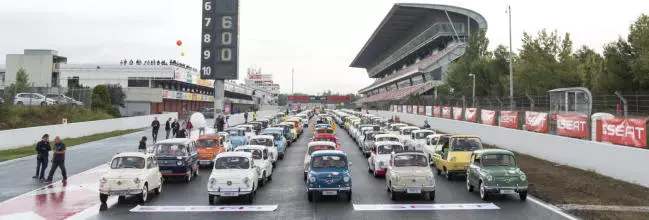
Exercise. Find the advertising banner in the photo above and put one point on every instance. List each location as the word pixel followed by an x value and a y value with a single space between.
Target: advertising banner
pixel 536 121
pixel 399 108
pixel 429 110
pixel 446 112
pixel 457 113
pixel 470 114
pixel 422 110
pixel 572 125
pixel 625 131
pixel 488 117
pixel 436 111
pixel 509 119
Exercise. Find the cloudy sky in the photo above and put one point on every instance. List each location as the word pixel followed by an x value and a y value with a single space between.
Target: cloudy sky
pixel 318 39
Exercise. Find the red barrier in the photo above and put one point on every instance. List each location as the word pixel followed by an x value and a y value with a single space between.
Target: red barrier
pixel 436 111
pixel 409 107
pixel 624 131
pixel 536 121
pixel 509 119
pixel 470 114
pixel 488 117
pixel 446 112
pixel 422 110
pixel 572 125
pixel 429 110
pixel 457 113
pixel 399 108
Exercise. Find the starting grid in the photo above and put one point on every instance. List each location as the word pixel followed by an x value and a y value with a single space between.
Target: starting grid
pixel 357 207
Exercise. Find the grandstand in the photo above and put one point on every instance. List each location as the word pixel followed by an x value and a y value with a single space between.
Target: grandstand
pixel 409 52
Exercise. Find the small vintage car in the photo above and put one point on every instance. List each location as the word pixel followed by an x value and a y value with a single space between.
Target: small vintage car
pixel 234 175
pixel 280 141
pixel 132 173
pixel 379 158
pixel 387 137
pixel 368 141
pixel 208 147
pixel 286 132
pixel 434 143
pixel 269 142
pixel 262 162
pixel 225 140
pixel 405 132
pixel 329 174
pixel 297 123
pixel 250 130
pixel 292 129
pixel 394 128
pixel 410 173
pixel 177 158
pixel 417 139
pixel 304 119
pixel 454 156
pixel 315 146
pixel 257 126
pixel 495 172
pixel 237 136
pixel 327 137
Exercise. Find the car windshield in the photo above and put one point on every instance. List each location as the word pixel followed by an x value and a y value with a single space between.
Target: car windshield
pixel 387 139
pixel 320 147
pixel 170 150
pixel 422 135
pixel 207 143
pixel 256 154
pixel 262 141
pixel 329 162
pixel 443 140
pixel 235 133
pixel 127 162
pixel 325 139
pixel 275 135
pixel 413 160
pixel 408 131
pixel 232 163
pixel 396 127
pixel 466 144
pixel 388 149
pixel 370 136
pixel 498 160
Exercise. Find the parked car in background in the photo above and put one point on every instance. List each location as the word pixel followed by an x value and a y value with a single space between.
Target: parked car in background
pixel 233 175
pixel 410 173
pixel 434 143
pixel 327 137
pixel 329 175
pixel 495 171
pixel 33 99
pixel 405 132
pixel 394 128
pixel 280 141
pixel 177 157
pixel 269 142
pixel 225 140
pixel 64 100
pixel 132 173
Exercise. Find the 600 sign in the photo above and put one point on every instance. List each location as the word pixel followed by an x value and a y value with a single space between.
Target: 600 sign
pixel 219 41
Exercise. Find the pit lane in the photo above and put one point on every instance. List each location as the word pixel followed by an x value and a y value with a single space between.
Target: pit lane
pixel 287 191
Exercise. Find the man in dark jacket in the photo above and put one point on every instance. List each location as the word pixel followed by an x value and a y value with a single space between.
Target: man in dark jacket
pixel 156 127
pixel 220 123
pixel 168 127
pixel 175 126
pixel 42 154
pixel 58 160
pixel 245 117
pixel 142 147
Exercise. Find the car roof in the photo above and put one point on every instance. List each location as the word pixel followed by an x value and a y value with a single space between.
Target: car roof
pixel 493 151
pixel 408 127
pixel 388 143
pixel 245 125
pixel 423 130
pixel 464 136
pixel 275 129
pixel 328 152
pixel 131 154
pixel 205 137
pixel 327 135
pixel 317 143
pixel 234 154
pixel 175 141
pixel 235 128
pixel 386 135
pixel 398 124
pixel 261 137
pixel 255 147
pixel 410 152
pixel 437 135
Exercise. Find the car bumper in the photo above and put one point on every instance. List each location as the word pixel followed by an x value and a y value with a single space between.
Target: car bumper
pixel 205 162
pixel 505 190
pixel 121 192
pixel 341 189
pixel 415 189
pixel 381 171
pixel 230 193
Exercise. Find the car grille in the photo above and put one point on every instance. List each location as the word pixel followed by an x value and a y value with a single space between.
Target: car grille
pixel 118 184
pixel 413 181
pixel 507 181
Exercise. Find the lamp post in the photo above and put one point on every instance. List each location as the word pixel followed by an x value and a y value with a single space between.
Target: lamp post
pixel 473 94
pixel 511 61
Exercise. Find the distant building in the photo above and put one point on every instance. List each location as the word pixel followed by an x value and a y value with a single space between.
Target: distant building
pixel 265 81
pixel 2 78
pixel 42 67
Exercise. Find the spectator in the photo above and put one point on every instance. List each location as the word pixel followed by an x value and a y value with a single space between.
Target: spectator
pixel 190 126
pixel 220 122
pixel 245 117
pixel 156 127
pixel 175 126
pixel 142 146
pixel 254 116
pixel 42 153
pixel 168 127
pixel 58 160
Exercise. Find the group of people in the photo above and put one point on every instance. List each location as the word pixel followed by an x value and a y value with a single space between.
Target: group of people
pixel 172 128
pixel 43 149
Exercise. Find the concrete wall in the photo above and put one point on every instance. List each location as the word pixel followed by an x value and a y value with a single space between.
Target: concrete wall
pixel 29 136
pixel 623 163
pixel 37 67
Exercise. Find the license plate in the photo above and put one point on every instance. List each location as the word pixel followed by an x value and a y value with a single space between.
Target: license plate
pixel 230 194
pixel 165 171
pixel 414 191
pixel 122 193
pixel 507 191
pixel 204 162
pixel 329 193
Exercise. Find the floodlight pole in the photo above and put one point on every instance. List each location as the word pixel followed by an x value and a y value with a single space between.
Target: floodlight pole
pixel 219 96
pixel 511 61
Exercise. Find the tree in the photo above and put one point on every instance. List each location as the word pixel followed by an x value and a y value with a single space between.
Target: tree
pixel 590 68
pixel 101 100
pixel 117 95
pixel 639 41
pixel 21 85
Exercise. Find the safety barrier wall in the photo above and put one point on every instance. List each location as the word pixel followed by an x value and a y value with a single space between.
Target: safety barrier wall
pixel 27 136
pixel 623 163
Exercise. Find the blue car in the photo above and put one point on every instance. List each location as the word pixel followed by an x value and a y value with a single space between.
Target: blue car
pixel 280 140
pixel 177 157
pixel 237 136
pixel 286 131
pixel 323 126
pixel 329 174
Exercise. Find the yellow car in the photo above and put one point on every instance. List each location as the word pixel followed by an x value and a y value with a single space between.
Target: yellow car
pixel 347 120
pixel 454 156
pixel 292 128
pixel 298 124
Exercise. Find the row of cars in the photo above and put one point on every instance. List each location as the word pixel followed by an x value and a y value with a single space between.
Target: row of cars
pixel 386 143
pixel 44 100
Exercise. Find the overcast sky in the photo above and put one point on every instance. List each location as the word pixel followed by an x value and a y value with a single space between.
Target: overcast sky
pixel 318 39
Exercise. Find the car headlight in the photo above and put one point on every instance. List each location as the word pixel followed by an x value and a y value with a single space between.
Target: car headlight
pixel 489 178
pixel 179 163
pixel 136 180
pixel 103 180
pixel 212 182
pixel 246 180
pixel 523 177
pixel 312 179
pixel 346 179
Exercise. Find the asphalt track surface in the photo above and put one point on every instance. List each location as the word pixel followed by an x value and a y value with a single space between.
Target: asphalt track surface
pixel 285 190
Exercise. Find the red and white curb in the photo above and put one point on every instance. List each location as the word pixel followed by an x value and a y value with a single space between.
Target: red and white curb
pixel 424 207
pixel 234 208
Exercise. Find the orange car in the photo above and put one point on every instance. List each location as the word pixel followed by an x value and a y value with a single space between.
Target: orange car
pixel 208 147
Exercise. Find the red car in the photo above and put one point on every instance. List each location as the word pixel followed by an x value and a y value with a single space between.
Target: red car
pixel 327 137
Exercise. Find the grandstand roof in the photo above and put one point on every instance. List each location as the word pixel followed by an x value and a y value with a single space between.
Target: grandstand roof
pixel 402 18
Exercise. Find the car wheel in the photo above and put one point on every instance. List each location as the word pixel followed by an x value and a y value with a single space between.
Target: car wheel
pixel 309 196
pixel 19 103
pixel 281 156
pixel 262 182
pixel 522 195
pixel 103 198
pixel 374 174
pixel 159 189
pixel 270 177
pixel 251 197
pixel 469 187
pixel 144 196
pixel 393 196
pixel 121 199
pixel 196 172
pixel 484 195
pixel 211 199
pixel 431 195
pixel 448 175
pixel 348 196
pixel 439 172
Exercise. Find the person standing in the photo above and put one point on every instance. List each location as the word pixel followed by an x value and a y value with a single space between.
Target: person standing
pixel 254 116
pixel 156 127
pixel 245 117
pixel 58 160
pixel 175 126
pixel 220 123
pixel 168 127
pixel 142 147
pixel 190 126
pixel 42 154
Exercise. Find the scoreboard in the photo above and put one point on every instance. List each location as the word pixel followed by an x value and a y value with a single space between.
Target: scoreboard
pixel 220 39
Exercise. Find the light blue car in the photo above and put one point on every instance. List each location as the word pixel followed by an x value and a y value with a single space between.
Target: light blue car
pixel 280 140
pixel 237 136
pixel 323 126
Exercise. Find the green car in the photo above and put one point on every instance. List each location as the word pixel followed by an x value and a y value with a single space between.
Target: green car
pixel 495 172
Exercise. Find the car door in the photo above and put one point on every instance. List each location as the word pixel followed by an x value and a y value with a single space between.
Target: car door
pixel 267 163
pixel 193 155
pixel 473 170
pixel 152 173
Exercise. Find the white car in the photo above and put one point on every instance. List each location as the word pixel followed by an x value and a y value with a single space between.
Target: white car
pixel 313 147
pixel 132 173
pixel 379 159
pixel 410 173
pixel 250 130
pixel 262 163
pixel 33 99
pixel 233 175
pixel 387 137
pixel 361 134
pixel 394 128
pixel 305 120
pixel 269 142
pixel 404 132
pixel 433 144
pixel 225 141
pixel 417 139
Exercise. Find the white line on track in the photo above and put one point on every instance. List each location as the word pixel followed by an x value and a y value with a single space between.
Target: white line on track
pixel 551 208
pixel 425 207
pixel 619 208
pixel 230 208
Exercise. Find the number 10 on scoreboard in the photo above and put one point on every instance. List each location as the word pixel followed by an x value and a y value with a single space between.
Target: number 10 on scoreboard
pixel 219 39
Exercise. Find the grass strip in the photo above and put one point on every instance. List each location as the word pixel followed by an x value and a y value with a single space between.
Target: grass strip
pixel 14 153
